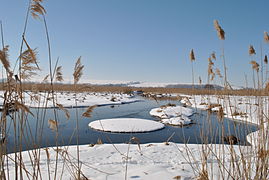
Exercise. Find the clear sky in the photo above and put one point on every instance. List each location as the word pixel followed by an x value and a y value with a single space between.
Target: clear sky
pixel 142 40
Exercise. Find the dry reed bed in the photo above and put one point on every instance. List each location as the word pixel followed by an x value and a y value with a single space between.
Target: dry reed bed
pixel 118 89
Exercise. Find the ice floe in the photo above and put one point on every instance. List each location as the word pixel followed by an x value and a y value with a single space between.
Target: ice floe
pixel 125 125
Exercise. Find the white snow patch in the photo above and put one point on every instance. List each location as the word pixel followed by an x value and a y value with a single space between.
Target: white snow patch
pixel 173 115
pixel 72 99
pixel 180 120
pixel 126 125
pixel 171 111
pixel 147 161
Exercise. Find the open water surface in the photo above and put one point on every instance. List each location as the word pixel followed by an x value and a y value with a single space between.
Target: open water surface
pixel 36 132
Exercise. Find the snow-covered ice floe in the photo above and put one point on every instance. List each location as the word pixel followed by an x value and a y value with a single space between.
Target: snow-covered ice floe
pixel 145 161
pixel 72 99
pixel 126 125
pixel 173 115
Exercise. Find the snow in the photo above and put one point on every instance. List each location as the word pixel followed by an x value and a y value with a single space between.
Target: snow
pixel 171 111
pixel 173 115
pixel 180 120
pixel 148 161
pixel 249 109
pixel 72 99
pixel 136 161
pixel 126 125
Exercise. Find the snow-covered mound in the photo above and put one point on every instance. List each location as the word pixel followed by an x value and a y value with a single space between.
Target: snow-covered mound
pixel 171 111
pixel 126 125
pixel 177 121
pixel 173 115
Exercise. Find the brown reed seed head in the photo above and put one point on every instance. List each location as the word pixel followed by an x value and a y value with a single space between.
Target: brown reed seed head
pixel 4 58
pixel 220 31
pixel 88 112
pixel 265 59
pixel 45 80
pixel 78 70
pixel 210 62
pixel 266 37
pixel 213 56
pixel 61 107
pixel 59 74
pixel 255 65
pixel 251 50
pixel 52 124
pixel 192 57
pixel 200 80
pixel 218 73
pixel 37 9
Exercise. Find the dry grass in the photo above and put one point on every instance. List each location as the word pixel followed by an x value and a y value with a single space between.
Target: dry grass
pixel 117 89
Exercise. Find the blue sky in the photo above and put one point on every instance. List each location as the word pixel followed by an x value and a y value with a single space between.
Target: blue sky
pixel 142 40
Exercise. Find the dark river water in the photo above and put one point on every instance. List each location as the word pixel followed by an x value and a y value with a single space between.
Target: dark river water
pixel 206 128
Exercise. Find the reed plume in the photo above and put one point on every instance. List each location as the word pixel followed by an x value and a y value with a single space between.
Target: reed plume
pixel 192 57
pixel 266 37
pixel 45 80
pixel 265 59
pixel 213 55
pixel 23 107
pixel 220 31
pixel 61 107
pixel 4 58
pixel 78 70
pixel 200 80
pixel 88 112
pixel 59 74
pixel 37 9
pixel 219 73
pixel 251 50
pixel 52 124
pixel 255 65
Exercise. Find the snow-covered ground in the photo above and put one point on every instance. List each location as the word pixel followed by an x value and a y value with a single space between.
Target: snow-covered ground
pixel 173 115
pixel 136 161
pixel 125 125
pixel 249 109
pixel 71 99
